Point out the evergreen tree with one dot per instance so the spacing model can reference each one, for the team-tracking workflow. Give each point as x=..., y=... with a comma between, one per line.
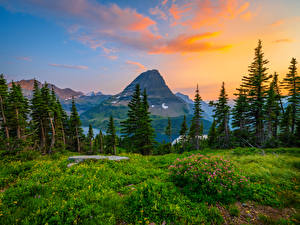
x=221, y=115
x=100, y=140
x=111, y=137
x=130, y=125
x=255, y=86
x=144, y=131
x=75, y=127
x=272, y=110
x=292, y=84
x=63, y=121
x=183, y=132
x=4, y=106
x=168, y=130
x=90, y=137
x=212, y=134
x=196, y=129
x=37, y=115
x=18, y=111
x=240, y=111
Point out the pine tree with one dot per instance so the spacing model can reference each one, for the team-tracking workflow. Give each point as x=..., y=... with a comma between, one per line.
x=272, y=109
x=18, y=111
x=37, y=115
x=90, y=137
x=130, y=125
x=4, y=106
x=292, y=85
x=168, y=130
x=183, y=132
x=240, y=111
x=221, y=115
x=75, y=127
x=111, y=136
x=212, y=134
x=255, y=86
x=286, y=122
x=196, y=129
x=144, y=131
x=100, y=140
x=63, y=121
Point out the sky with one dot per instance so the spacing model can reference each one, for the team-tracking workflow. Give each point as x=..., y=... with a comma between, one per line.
x=102, y=45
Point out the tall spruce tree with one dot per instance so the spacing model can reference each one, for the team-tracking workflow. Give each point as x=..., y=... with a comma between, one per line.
x=183, y=132
x=90, y=137
x=130, y=125
x=272, y=109
x=240, y=111
x=196, y=129
x=168, y=130
x=100, y=141
x=144, y=131
x=37, y=115
x=75, y=127
x=212, y=134
x=111, y=136
x=4, y=106
x=255, y=85
x=291, y=83
x=18, y=111
x=221, y=115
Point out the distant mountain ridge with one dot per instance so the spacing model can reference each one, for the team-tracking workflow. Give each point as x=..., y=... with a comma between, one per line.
x=62, y=93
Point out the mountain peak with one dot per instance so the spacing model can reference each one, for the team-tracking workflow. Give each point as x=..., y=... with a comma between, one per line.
x=161, y=99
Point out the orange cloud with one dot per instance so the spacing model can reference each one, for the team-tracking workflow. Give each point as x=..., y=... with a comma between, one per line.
x=139, y=65
x=247, y=16
x=164, y=2
x=277, y=23
x=187, y=44
x=199, y=13
x=286, y=40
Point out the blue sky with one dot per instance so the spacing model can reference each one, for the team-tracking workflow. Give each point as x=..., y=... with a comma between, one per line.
x=103, y=45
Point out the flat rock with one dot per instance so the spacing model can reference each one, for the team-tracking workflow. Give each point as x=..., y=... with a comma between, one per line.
x=81, y=158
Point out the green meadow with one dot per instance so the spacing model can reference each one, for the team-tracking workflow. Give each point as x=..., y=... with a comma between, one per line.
x=39, y=189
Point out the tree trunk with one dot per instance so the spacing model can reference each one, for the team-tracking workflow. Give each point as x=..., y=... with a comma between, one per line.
x=63, y=136
x=115, y=150
x=77, y=138
x=43, y=138
x=18, y=125
x=4, y=119
x=53, y=132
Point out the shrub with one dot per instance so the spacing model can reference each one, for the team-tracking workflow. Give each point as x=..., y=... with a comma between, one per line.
x=209, y=179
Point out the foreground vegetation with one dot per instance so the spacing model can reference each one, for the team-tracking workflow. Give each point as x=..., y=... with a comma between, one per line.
x=39, y=189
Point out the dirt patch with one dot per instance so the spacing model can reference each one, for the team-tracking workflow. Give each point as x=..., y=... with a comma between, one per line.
x=251, y=213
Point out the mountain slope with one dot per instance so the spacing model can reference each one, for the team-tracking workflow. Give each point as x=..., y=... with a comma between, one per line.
x=62, y=93
x=161, y=99
x=208, y=111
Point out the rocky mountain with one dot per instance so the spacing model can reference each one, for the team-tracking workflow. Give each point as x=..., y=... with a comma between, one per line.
x=208, y=111
x=62, y=93
x=163, y=104
x=161, y=99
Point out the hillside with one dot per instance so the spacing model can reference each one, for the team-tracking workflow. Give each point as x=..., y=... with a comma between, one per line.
x=62, y=93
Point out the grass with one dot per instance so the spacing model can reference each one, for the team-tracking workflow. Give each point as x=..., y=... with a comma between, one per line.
x=43, y=190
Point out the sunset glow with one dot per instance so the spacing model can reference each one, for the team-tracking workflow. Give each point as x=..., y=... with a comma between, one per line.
x=103, y=45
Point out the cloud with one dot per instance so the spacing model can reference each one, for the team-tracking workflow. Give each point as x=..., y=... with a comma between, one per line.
x=199, y=13
x=139, y=65
x=158, y=12
x=24, y=58
x=112, y=57
x=164, y=2
x=189, y=43
x=277, y=23
x=284, y=40
x=78, y=67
